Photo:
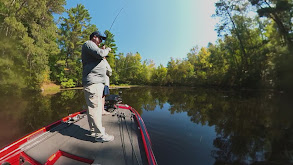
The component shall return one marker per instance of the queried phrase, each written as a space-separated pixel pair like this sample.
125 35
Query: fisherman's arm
108 68
97 52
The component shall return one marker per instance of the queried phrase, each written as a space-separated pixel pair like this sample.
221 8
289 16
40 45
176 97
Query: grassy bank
124 86
50 88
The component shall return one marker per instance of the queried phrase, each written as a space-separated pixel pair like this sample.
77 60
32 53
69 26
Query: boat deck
74 139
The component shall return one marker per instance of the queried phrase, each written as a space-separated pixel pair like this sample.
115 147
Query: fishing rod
115 19
107 42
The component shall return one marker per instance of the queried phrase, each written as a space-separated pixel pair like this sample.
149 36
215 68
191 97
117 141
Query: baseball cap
97 34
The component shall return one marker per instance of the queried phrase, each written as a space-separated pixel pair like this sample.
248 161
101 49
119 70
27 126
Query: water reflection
24 113
251 127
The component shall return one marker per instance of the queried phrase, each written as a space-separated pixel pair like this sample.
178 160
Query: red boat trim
10 153
81 159
145 136
13 148
148 140
53 158
27 158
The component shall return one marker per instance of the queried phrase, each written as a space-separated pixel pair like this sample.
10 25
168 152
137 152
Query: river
186 125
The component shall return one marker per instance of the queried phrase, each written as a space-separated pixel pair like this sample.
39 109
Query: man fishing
93 80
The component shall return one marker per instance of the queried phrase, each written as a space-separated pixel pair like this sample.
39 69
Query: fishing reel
112 101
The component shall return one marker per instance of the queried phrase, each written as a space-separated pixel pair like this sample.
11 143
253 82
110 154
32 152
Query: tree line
253 50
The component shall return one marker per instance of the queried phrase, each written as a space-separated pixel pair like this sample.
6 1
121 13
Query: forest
254 49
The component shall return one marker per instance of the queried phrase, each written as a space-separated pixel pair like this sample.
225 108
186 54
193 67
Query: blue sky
157 29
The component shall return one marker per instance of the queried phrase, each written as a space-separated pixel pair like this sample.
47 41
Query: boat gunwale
144 133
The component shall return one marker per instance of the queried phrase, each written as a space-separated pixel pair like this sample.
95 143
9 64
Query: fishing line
107 37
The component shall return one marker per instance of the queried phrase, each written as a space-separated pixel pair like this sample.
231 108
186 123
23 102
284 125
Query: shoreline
111 87
51 88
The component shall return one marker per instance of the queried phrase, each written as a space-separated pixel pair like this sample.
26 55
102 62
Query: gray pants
94 100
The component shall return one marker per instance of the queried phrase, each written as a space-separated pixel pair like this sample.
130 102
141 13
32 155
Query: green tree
128 68
180 72
31 23
280 13
110 42
219 64
246 48
12 71
172 72
146 70
74 30
159 75
229 12
202 65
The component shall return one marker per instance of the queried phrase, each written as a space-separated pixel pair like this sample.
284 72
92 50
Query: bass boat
68 141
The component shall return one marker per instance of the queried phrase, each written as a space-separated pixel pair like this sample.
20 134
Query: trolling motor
112 101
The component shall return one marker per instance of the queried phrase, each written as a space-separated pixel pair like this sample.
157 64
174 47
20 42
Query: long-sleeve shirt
108 72
94 69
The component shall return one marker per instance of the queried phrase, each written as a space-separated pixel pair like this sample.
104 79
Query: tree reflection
43 110
252 127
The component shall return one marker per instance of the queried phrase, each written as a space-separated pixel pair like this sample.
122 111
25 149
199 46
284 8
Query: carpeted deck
74 138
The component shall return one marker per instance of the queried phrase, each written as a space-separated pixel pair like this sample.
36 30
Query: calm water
186 125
